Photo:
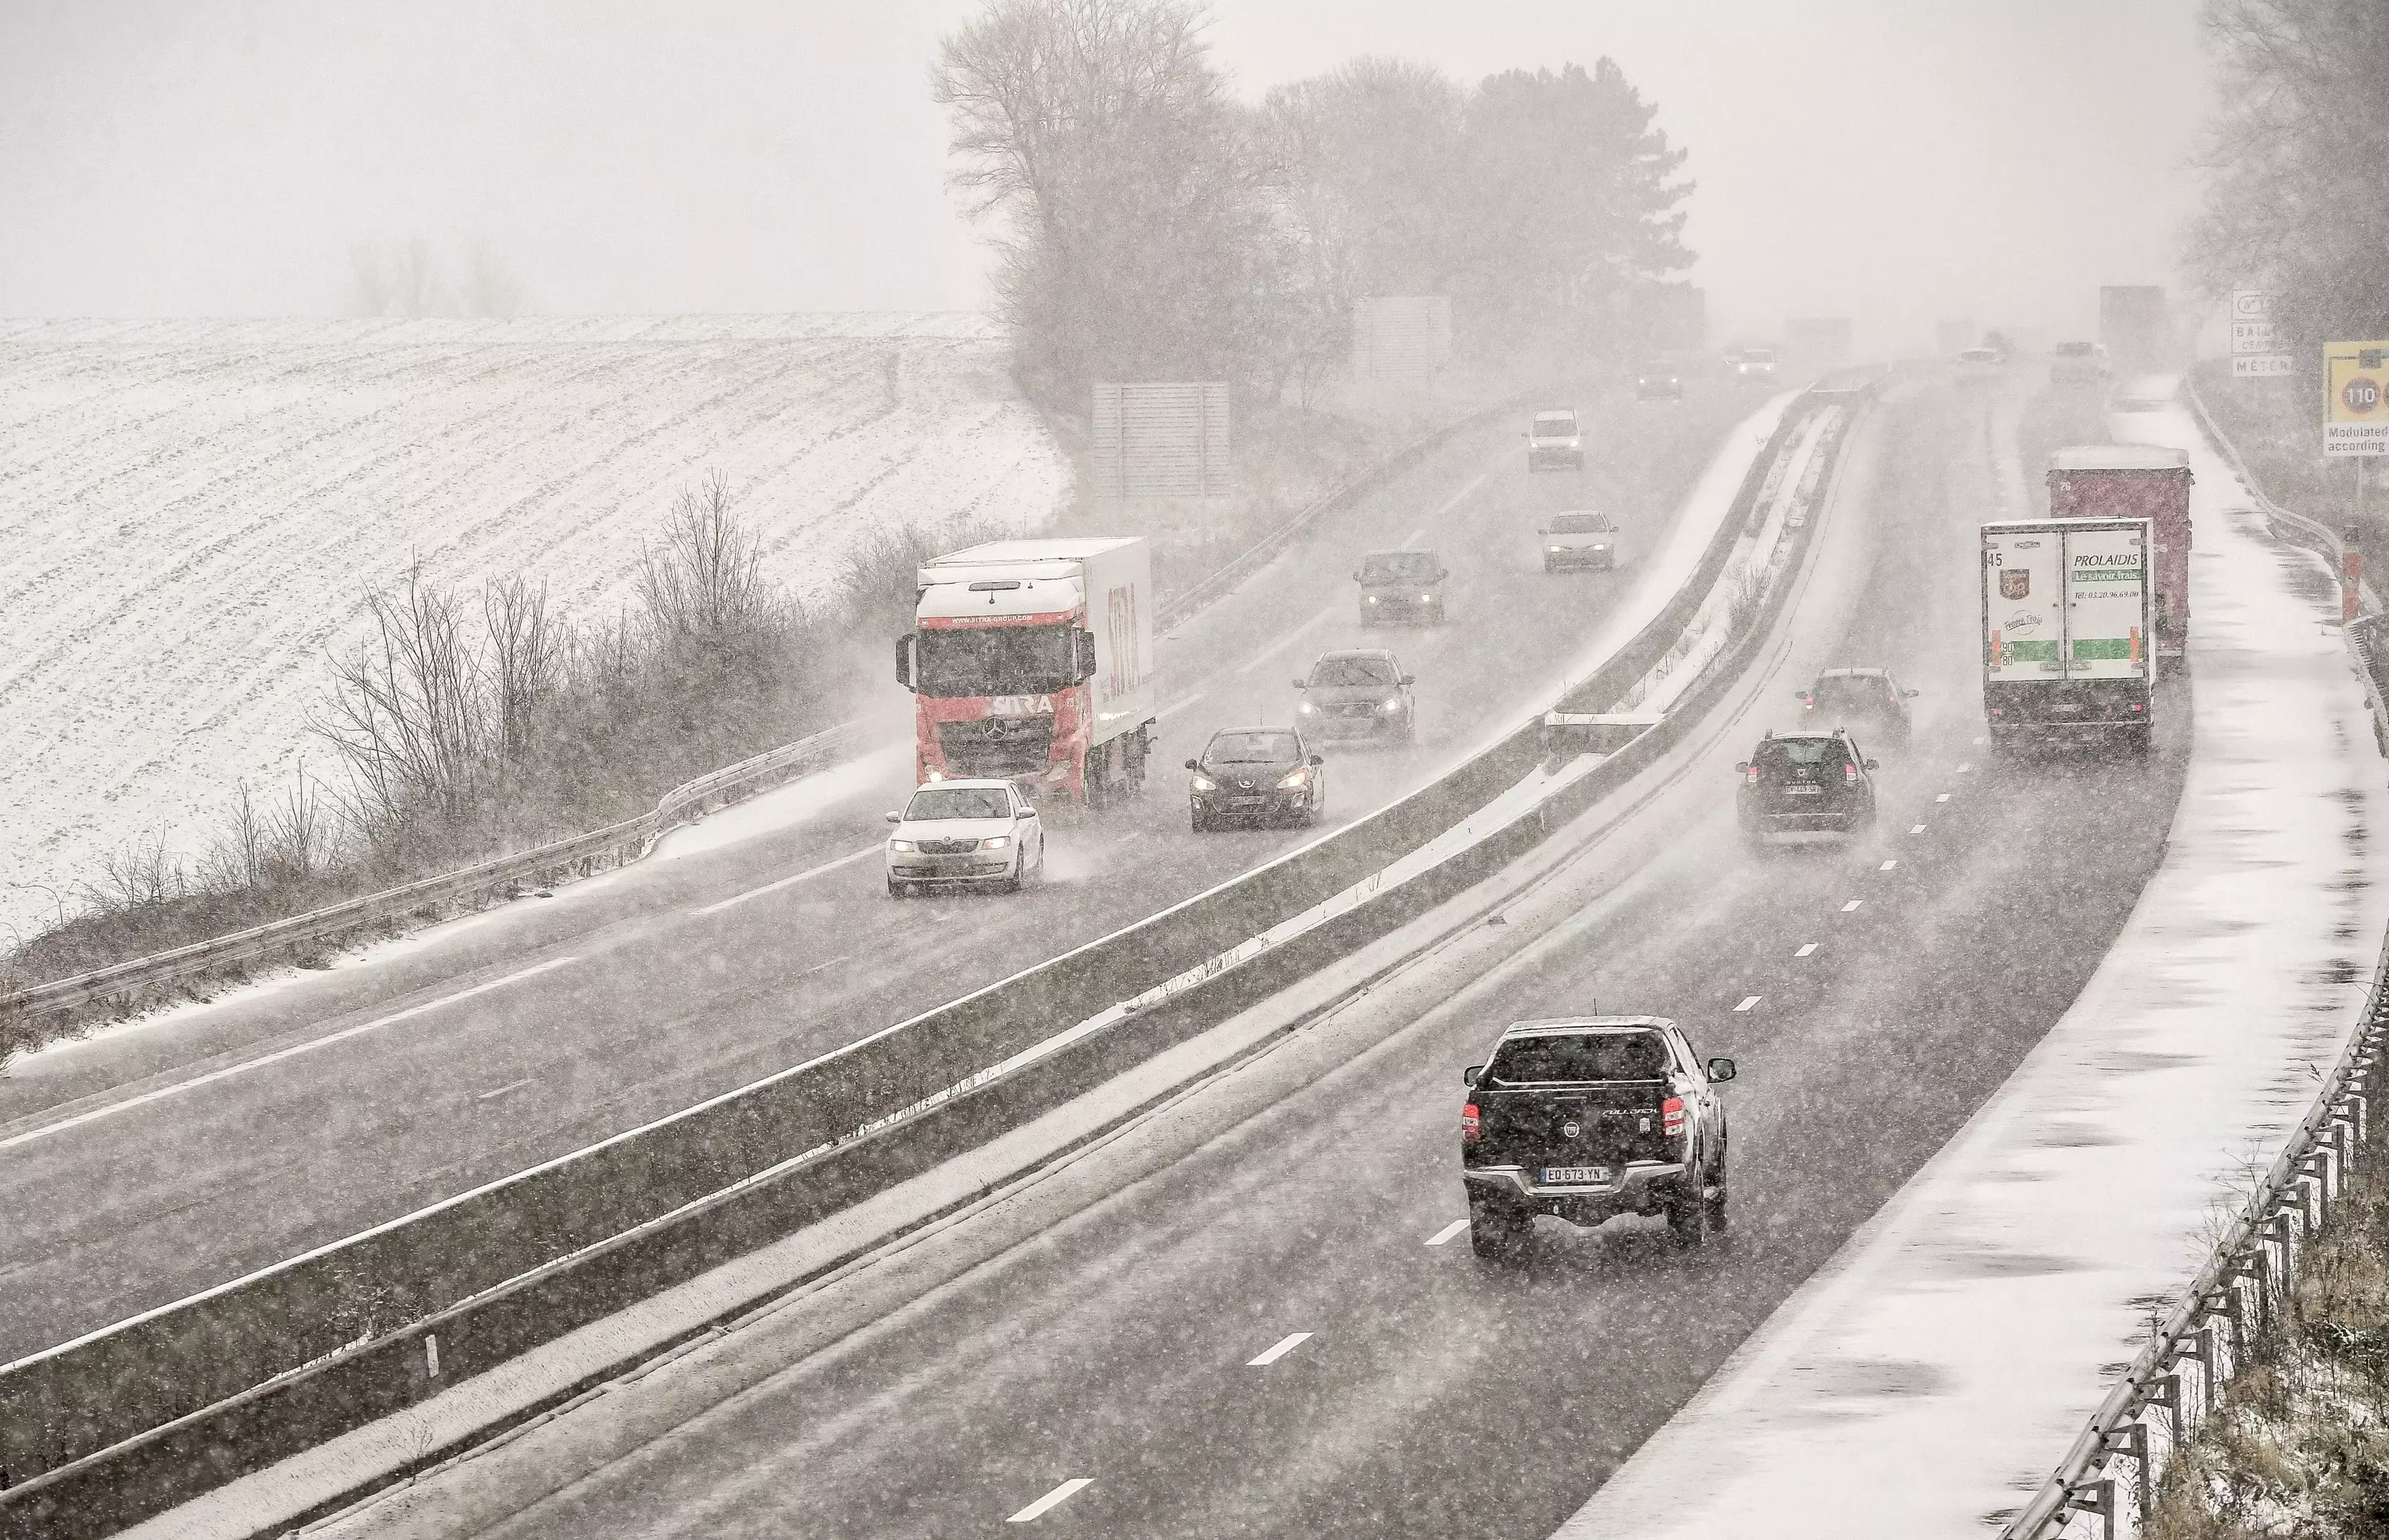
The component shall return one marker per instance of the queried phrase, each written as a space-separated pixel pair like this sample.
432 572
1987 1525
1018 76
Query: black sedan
1658 381
1856 697
1255 775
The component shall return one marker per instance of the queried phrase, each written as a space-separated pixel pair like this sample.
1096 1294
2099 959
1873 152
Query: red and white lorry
1031 661
2146 481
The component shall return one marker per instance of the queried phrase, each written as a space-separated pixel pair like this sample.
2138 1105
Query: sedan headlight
1306 709
903 846
1203 783
1561 549
1600 548
999 842
1426 598
1392 707
1299 776
1372 598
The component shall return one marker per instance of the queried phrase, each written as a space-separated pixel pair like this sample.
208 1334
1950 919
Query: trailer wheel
1092 785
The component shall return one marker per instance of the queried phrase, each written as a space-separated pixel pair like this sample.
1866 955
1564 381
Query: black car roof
1385 653
1854 673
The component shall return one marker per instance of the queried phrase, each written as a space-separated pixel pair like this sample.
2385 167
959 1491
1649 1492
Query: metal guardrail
133 1418
630 838
2255 1263
621 841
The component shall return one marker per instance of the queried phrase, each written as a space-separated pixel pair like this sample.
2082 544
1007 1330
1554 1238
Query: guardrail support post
2098 1497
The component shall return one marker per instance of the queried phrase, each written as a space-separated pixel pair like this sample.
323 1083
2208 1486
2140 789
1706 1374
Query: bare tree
409 710
702 583
525 665
397 278
489 290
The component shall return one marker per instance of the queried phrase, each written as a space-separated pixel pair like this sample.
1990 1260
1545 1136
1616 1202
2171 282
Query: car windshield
1777 753
1580 524
1580 1056
1252 748
1850 690
1658 368
2073 349
1760 355
1402 567
1352 671
994 661
933 803
1553 427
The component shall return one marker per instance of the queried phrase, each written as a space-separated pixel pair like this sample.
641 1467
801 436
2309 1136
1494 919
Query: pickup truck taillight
1468 1126
1753 774
1849 773
1671 1116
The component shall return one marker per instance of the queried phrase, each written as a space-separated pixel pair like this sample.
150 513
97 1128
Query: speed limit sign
2360 395
2356 404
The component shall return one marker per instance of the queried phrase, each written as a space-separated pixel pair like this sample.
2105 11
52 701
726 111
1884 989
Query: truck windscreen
994 661
1580 1057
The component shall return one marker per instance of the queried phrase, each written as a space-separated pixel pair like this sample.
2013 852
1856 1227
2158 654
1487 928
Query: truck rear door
2106 602
2023 604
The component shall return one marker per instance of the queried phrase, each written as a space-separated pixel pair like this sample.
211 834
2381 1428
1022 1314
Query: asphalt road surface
1283 1332
154 1161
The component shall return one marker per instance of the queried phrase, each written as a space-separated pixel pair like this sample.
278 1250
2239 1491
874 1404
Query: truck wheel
2138 742
898 890
1201 825
1714 1197
1495 1234
1092 788
1688 1220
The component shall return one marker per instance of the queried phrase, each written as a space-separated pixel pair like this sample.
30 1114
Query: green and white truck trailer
2069 631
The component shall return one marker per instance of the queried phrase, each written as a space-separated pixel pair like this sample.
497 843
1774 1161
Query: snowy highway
151 1161
1257 1313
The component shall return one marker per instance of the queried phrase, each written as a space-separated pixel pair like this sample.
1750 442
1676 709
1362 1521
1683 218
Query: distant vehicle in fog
1868 697
964 834
2079 364
1581 538
1399 586
1555 442
1359 692
1803 786
1658 380
2143 393
1756 366
1255 775
1980 364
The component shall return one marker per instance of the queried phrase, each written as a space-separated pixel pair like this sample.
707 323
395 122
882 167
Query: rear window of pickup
1580 1057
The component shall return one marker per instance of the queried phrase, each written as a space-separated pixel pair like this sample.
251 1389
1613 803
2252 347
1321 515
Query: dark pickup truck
1590 1117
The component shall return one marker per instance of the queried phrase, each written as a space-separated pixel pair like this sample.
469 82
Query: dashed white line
1887 866
1852 905
1943 797
1281 1350
510 1086
30 1134
810 873
1806 947
1916 829
1980 741
1439 1237
1747 1001
1457 499
843 957
1287 641
1174 707
1964 768
1051 1499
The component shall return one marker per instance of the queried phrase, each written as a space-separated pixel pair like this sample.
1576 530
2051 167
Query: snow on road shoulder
1929 1376
190 512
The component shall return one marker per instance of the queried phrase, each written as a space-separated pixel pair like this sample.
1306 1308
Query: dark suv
1865 698
1361 693
1255 775
1588 1117
1400 585
1658 380
1805 783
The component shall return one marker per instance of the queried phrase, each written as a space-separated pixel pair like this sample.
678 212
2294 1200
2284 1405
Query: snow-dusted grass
1929 1376
191 511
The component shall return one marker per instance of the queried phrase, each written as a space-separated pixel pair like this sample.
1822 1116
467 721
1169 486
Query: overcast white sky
1891 159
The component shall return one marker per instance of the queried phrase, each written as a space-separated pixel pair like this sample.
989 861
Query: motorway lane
1872 1007
148 1170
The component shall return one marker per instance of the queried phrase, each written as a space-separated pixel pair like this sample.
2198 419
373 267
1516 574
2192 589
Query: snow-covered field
1929 1376
190 512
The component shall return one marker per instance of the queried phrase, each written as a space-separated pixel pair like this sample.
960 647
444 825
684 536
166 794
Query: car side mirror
1742 768
1468 1076
1800 696
1356 574
1410 678
1302 684
1538 529
1318 759
1193 765
1720 1069
1028 812
1441 573
1910 694
1083 654
1872 765
904 661
895 818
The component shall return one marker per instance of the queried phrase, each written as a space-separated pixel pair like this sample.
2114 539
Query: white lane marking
1415 537
1916 828
1887 866
1457 499
1806 947
1943 797
1439 1237
1051 1499
843 957
1980 741
1288 640
1852 905
1964 769
805 875
511 1085
1280 1351
1168 711
1747 1001
30 1134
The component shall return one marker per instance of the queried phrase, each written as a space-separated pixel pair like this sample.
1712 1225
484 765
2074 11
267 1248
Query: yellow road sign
2356 398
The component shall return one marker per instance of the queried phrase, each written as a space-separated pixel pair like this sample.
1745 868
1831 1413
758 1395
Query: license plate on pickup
1803 791
1576 1176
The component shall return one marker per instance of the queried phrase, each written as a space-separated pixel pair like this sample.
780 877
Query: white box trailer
2069 629
1031 660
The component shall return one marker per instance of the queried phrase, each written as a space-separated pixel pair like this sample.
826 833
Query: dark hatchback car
1658 381
1255 775
1361 692
1400 585
1804 785
1856 697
